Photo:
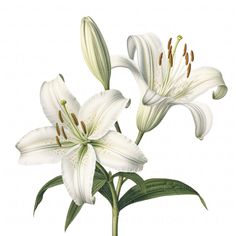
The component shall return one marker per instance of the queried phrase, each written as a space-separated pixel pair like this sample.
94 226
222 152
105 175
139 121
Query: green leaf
52 183
106 192
98 182
72 213
134 177
157 188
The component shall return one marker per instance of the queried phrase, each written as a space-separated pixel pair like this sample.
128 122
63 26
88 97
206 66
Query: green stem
115 210
119 185
139 137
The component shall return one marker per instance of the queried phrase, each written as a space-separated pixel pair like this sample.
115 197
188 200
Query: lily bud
95 51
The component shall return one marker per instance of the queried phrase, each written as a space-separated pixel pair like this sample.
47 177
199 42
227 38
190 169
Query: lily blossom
79 137
167 79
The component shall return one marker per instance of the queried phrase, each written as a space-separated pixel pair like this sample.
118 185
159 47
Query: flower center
171 84
71 129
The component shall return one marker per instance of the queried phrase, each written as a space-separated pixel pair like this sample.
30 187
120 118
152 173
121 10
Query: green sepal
157 188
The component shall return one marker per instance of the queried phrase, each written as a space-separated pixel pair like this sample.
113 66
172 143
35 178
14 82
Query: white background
39 39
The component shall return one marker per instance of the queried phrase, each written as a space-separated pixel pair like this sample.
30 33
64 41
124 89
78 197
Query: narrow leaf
52 183
134 177
106 192
72 213
157 188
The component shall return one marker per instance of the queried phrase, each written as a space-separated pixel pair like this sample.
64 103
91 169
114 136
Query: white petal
120 61
51 94
118 152
148 117
201 80
101 111
39 147
202 118
151 98
148 48
78 169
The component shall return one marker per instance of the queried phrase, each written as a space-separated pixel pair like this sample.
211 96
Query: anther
58 129
63 132
75 119
171 60
160 58
186 59
192 56
62 77
60 116
170 51
185 49
63 102
188 70
169 43
58 141
83 127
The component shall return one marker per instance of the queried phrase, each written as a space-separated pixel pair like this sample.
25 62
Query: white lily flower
79 137
168 79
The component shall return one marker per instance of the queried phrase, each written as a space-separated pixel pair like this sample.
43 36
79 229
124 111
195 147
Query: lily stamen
75 119
58 141
60 116
186 58
63 132
192 55
83 127
188 70
58 129
185 49
160 59
169 43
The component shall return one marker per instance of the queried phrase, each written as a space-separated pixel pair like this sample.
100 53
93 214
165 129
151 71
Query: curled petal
51 94
201 80
40 147
118 152
148 48
202 118
78 169
101 111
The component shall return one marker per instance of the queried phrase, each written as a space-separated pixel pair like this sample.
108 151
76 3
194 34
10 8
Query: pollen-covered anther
186 59
63 132
58 129
60 116
83 127
169 43
75 119
185 49
171 60
192 55
160 59
188 70
169 52
58 141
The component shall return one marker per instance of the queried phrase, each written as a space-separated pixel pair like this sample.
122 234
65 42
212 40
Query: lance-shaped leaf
52 183
134 177
157 188
95 51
